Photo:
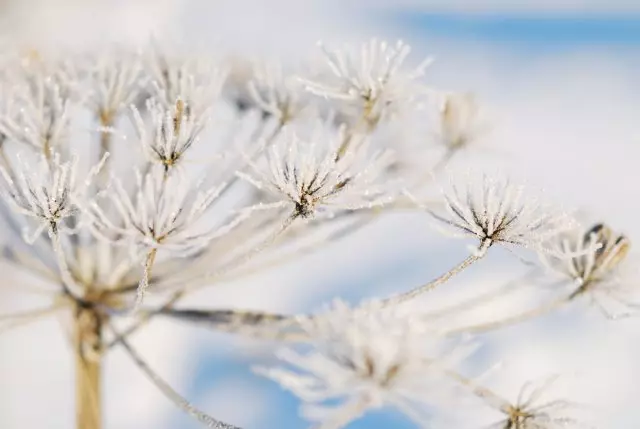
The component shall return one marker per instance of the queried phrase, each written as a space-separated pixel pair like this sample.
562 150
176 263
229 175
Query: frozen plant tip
460 122
307 176
530 412
496 211
371 79
196 81
367 357
277 94
37 111
50 193
596 269
170 134
161 215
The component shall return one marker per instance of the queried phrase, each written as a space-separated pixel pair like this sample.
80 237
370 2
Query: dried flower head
116 80
308 177
370 79
36 111
459 120
50 193
169 133
276 93
161 214
196 81
596 269
529 412
366 357
496 211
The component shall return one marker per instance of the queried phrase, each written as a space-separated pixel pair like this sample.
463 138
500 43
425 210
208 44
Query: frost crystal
308 177
370 79
496 211
370 356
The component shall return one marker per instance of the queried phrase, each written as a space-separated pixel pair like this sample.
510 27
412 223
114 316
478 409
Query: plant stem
440 280
88 357
513 320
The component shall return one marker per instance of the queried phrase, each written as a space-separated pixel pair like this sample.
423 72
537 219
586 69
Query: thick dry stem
88 355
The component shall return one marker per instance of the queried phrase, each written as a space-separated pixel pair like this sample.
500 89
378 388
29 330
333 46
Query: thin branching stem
473 302
168 391
144 282
481 392
471 259
513 320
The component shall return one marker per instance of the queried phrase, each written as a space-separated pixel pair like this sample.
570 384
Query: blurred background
560 80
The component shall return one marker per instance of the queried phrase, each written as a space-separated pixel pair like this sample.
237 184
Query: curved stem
144 283
346 414
513 320
169 392
482 392
440 280
471 303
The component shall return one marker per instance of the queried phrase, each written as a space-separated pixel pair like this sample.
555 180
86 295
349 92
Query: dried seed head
370 80
370 354
169 133
307 177
496 211
49 193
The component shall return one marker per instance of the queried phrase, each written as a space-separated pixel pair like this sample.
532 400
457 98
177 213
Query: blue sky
540 29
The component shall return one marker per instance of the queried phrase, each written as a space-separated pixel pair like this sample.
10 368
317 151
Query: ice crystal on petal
370 79
308 177
370 355
496 211
49 193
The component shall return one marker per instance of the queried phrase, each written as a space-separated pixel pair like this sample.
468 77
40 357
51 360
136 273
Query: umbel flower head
308 177
459 120
277 93
597 269
530 412
496 211
50 193
370 79
366 357
170 133
36 109
195 80
161 214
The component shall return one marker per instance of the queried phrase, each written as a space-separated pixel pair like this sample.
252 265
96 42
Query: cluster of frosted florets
197 167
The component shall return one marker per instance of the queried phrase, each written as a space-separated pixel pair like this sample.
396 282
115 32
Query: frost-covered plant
207 181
